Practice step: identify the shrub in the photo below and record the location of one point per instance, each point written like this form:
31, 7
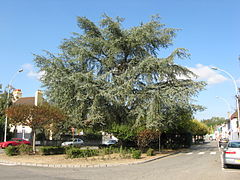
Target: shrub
79, 153
175, 140
114, 149
24, 149
103, 151
145, 137
150, 152
50, 150
126, 134
72, 152
107, 150
11, 151
125, 152
136, 154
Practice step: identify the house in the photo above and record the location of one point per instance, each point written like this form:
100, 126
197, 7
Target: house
25, 131
234, 126
224, 130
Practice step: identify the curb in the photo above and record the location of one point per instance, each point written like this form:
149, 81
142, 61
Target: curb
2, 162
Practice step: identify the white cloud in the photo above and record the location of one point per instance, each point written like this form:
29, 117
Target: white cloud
205, 73
31, 71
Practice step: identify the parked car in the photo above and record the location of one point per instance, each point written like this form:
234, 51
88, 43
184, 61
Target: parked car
231, 154
75, 142
212, 137
223, 142
109, 142
14, 142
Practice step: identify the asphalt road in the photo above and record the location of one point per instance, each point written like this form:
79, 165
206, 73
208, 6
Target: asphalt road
201, 162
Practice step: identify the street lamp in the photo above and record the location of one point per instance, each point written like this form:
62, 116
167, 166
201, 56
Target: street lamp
228, 114
229, 108
236, 89
8, 94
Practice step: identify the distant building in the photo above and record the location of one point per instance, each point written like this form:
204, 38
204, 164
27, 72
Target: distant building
224, 130
25, 131
234, 126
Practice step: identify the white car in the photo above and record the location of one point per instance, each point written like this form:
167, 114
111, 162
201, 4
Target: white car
75, 142
231, 154
109, 142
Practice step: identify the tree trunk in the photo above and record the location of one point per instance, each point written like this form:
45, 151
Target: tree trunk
159, 142
15, 132
34, 141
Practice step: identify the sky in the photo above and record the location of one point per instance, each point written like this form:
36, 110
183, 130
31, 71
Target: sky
209, 30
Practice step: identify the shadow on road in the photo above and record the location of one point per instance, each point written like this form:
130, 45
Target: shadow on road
233, 167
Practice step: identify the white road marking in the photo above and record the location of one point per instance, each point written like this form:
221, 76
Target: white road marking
230, 170
200, 153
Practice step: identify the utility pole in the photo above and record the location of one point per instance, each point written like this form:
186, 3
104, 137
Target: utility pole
8, 95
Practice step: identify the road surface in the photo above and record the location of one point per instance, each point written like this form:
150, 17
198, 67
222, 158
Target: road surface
201, 162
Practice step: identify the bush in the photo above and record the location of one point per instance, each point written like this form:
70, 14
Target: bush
175, 140
126, 134
24, 149
106, 151
136, 154
150, 152
11, 150
145, 137
50, 150
126, 152
79, 153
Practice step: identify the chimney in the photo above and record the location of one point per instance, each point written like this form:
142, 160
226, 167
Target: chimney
38, 97
17, 93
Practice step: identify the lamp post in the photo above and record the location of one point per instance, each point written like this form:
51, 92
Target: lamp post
236, 88
227, 103
228, 115
8, 95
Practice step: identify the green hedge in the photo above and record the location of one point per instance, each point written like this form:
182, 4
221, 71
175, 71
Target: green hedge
136, 154
51, 150
175, 141
79, 153
11, 150
24, 149
150, 152
73, 152
16, 150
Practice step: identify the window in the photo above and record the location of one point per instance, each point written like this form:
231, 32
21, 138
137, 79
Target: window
234, 145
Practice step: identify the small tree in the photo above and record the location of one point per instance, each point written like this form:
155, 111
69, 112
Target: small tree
214, 121
145, 137
198, 128
36, 117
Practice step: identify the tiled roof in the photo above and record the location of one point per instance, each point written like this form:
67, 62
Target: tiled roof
25, 100
234, 115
